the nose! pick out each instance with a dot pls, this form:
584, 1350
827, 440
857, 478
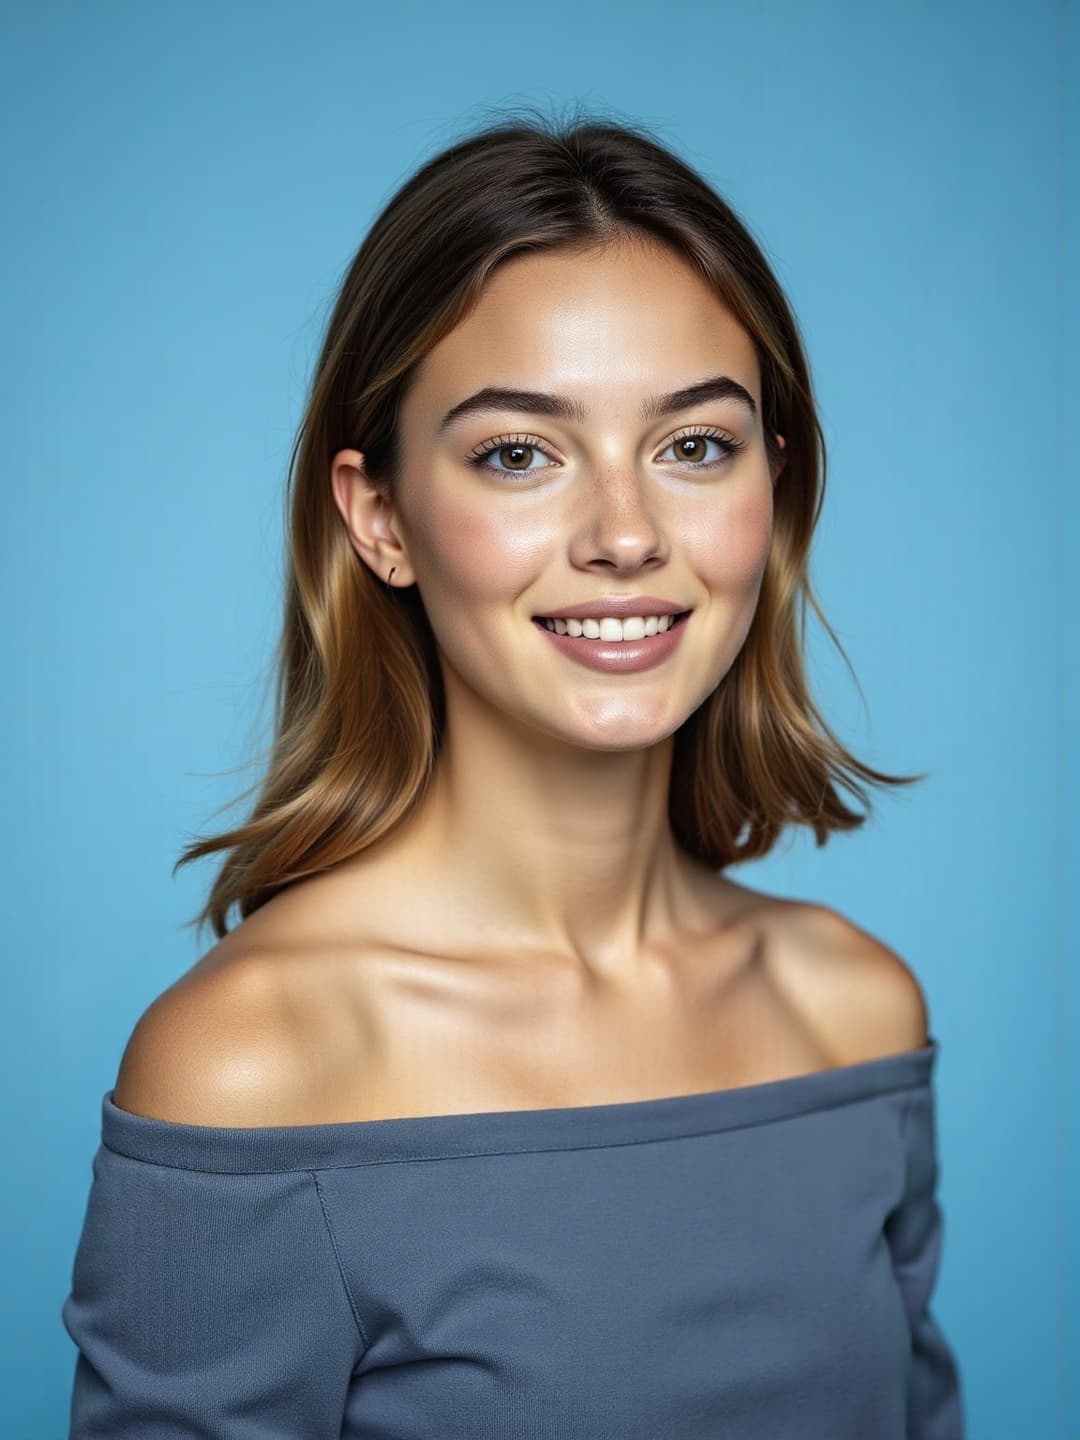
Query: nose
618, 527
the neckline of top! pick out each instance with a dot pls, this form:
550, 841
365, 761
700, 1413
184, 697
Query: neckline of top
429, 1137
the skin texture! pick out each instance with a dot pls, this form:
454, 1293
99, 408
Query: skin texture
532, 936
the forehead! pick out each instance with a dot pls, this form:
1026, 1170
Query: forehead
611, 325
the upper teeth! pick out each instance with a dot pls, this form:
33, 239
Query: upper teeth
634, 627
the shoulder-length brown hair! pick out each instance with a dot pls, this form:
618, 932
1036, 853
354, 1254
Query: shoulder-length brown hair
359, 703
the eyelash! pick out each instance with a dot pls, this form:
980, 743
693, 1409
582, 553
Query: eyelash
727, 443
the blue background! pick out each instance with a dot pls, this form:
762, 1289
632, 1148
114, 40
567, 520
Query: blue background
183, 187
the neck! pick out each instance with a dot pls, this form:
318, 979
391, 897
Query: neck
524, 844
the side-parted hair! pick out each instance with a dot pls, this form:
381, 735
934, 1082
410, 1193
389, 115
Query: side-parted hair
359, 702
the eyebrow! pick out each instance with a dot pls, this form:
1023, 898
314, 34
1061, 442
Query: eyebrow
562, 407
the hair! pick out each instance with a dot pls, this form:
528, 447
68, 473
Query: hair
359, 701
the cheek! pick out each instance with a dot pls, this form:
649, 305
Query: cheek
478, 555
732, 543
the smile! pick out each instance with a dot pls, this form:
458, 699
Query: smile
616, 651
636, 627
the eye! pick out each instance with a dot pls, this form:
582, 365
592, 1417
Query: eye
513, 448
516, 452
690, 447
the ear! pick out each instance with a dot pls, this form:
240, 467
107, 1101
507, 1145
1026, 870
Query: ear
369, 518
778, 465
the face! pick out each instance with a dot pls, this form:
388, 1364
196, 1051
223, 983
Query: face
507, 512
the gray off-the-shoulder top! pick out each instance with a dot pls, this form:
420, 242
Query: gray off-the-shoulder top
745, 1264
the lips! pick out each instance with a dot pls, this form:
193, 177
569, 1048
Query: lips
618, 657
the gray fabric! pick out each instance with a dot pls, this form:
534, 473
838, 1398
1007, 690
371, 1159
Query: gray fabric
747, 1264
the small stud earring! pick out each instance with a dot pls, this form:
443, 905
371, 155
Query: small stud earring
390, 577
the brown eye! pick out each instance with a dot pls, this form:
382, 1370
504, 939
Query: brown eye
516, 457
691, 447
511, 455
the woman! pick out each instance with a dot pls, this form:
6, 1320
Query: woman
503, 1112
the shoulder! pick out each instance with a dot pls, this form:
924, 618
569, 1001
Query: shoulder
856, 992
219, 1047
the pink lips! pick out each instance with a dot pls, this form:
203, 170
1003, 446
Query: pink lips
618, 656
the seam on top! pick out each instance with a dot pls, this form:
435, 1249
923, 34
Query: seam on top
341, 1268
544, 1149
892, 1219
908, 1101
623, 1144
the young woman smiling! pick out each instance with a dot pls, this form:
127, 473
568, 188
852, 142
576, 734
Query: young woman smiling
503, 1111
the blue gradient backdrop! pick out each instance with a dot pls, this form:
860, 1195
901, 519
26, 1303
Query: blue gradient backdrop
183, 185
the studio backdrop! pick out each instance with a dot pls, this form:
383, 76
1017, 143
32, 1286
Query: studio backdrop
183, 185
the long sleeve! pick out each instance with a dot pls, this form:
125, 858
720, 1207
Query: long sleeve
915, 1232
207, 1304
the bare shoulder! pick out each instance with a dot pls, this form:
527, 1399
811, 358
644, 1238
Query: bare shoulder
858, 993
216, 1048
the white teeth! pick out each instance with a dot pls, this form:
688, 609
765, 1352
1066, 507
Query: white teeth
635, 627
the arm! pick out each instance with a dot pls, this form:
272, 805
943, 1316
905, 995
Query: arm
867, 1002
206, 1298
207, 1305
915, 1232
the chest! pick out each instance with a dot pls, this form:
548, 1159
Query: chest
454, 1038
682, 1280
